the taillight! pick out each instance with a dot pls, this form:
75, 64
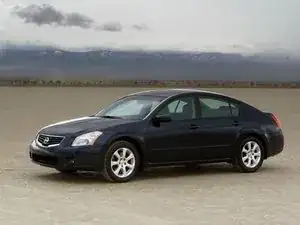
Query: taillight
276, 120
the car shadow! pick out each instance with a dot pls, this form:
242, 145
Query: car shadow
79, 178
151, 174
200, 171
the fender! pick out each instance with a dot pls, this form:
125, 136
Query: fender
134, 138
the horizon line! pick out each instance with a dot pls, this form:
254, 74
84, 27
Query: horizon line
273, 52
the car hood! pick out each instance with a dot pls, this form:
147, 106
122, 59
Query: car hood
77, 125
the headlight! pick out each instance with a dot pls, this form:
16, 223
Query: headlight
86, 139
33, 143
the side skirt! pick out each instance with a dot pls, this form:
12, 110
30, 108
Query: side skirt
180, 163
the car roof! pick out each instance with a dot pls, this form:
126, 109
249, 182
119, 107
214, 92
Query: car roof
173, 92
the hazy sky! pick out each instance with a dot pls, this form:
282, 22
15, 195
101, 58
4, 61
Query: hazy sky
225, 25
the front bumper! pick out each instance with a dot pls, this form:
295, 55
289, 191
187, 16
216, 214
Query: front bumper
80, 158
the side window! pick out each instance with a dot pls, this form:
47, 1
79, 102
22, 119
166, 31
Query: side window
172, 106
235, 109
180, 109
176, 106
213, 108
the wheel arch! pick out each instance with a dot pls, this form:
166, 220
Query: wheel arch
137, 144
259, 136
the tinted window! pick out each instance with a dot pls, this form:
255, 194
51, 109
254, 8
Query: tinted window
235, 109
177, 106
180, 109
213, 107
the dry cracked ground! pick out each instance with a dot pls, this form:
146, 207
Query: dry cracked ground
215, 194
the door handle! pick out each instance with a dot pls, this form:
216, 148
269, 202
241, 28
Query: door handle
236, 123
193, 126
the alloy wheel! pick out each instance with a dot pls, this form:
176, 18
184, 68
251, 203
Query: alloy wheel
123, 162
251, 154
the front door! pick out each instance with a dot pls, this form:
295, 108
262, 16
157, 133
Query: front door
176, 140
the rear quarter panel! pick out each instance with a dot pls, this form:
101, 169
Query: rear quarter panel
259, 124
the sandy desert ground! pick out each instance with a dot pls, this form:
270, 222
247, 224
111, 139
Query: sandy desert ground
216, 194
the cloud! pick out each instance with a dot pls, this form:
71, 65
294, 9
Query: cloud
47, 15
111, 27
140, 27
76, 19
40, 15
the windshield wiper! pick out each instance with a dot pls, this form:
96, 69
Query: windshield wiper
111, 117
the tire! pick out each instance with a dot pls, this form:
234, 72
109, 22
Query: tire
120, 168
250, 155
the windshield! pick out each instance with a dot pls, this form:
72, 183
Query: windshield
131, 107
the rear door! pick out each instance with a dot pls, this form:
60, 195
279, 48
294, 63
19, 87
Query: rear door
218, 126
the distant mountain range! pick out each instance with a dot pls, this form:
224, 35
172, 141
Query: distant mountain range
39, 61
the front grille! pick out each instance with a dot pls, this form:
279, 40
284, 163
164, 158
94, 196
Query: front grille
47, 160
47, 140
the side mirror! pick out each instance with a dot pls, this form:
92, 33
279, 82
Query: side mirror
157, 120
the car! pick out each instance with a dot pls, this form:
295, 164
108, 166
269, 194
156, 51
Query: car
164, 127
